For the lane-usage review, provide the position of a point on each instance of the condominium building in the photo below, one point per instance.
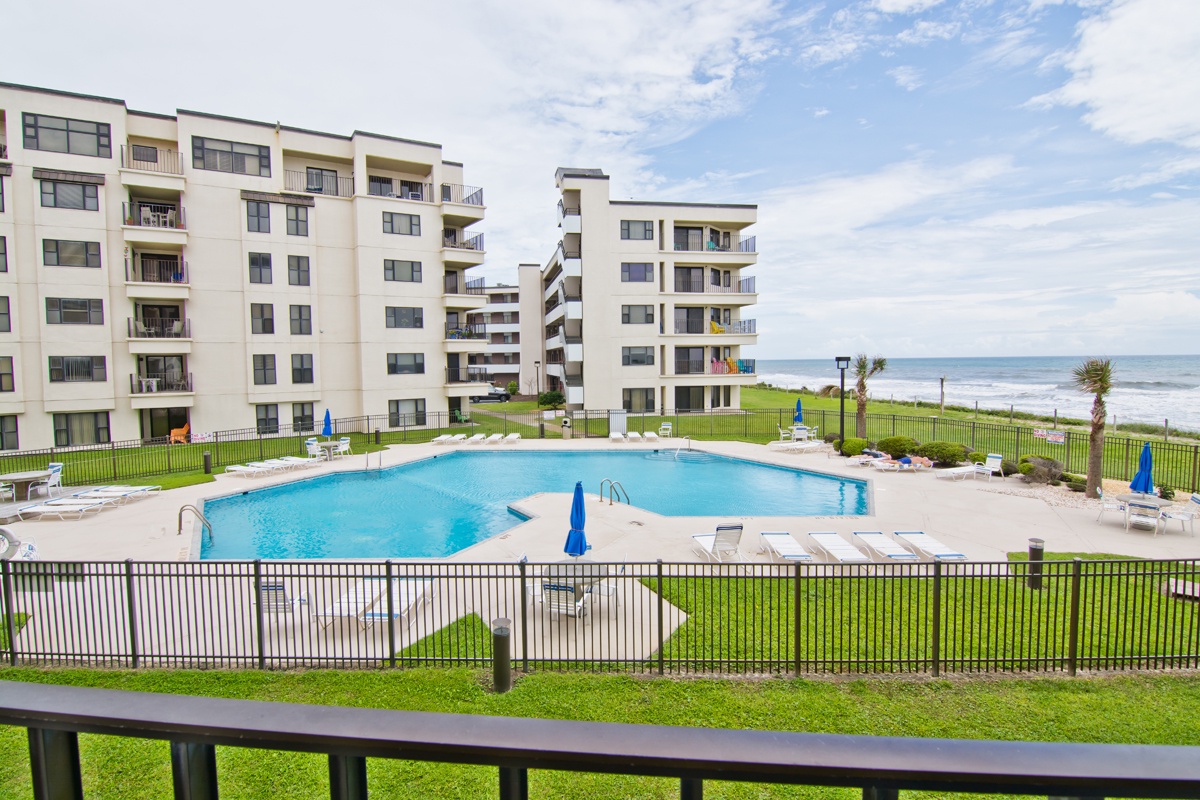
(499, 325)
(643, 305)
(159, 271)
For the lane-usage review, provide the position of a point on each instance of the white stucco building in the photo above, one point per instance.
(157, 271)
(643, 305)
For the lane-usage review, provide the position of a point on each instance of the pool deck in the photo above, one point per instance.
(970, 515)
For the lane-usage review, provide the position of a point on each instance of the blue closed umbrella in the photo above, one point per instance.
(1143, 481)
(798, 418)
(327, 429)
(576, 541)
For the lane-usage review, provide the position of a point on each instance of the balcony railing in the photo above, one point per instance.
(160, 328)
(151, 159)
(702, 286)
(468, 375)
(148, 269)
(3, 151)
(456, 242)
(153, 215)
(473, 330)
(691, 325)
(737, 326)
(689, 367)
(313, 183)
(154, 382)
(453, 283)
(463, 195)
(567, 211)
(408, 191)
(732, 366)
(714, 243)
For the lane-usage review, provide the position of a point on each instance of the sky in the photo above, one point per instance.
(933, 177)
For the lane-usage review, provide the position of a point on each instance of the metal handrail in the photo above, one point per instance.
(613, 487)
(199, 515)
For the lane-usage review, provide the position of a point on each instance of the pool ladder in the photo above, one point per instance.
(615, 489)
(203, 520)
(686, 440)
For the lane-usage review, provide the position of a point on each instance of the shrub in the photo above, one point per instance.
(1070, 477)
(1035, 469)
(830, 438)
(1166, 493)
(1077, 486)
(979, 458)
(513, 388)
(897, 446)
(552, 399)
(946, 454)
(1008, 467)
(854, 447)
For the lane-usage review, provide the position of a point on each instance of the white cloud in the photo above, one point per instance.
(906, 77)
(1135, 69)
(905, 6)
(820, 112)
(925, 31)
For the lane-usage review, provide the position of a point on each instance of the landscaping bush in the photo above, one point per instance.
(897, 446)
(1077, 486)
(978, 458)
(552, 399)
(1165, 492)
(944, 454)
(1007, 467)
(854, 447)
(830, 438)
(1035, 469)
(513, 388)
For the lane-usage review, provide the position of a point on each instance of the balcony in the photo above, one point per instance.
(455, 241)
(468, 375)
(155, 277)
(453, 283)
(459, 249)
(160, 382)
(472, 330)
(701, 286)
(736, 327)
(727, 366)
(160, 328)
(715, 242)
(401, 190)
(154, 224)
(318, 182)
(462, 195)
(151, 159)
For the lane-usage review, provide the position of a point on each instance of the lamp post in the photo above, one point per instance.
(537, 376)
(843, 362)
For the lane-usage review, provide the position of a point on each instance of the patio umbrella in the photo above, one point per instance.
(799, 416)
(1143, 481)
(576, 541)
(327, 428)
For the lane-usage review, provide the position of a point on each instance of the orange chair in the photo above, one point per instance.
(180, 435)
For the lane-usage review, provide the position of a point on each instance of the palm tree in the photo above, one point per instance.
(864, 369)
(1095, 377)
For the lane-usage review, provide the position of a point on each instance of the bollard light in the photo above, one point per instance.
(843, 362)
(1037, 552)
(501, 654)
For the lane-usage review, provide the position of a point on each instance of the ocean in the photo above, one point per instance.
(1148, 388)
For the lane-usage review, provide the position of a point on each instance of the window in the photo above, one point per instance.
(262, 318)
(715, 397)
(404, 224)
(222, 156)
(267, 417)
(72, 369)
(689, 360)
(406, 363)
(86, 428)
(302, 417)
(7, 383)
(258, 216)
(637, 315)
(59, 194)
(321, 181)
(69, 311)
(302, 368)
(260, 267)
(301, 320)
(404, 412)
(5, 316)
(407, 271)
(8, 433)
(297, 220)
(636, 229)
(3, 254)
(398, 317)
(63, 253)
(145, 154)
(380, 187)
(76, 136)
(637, 356)
(264, 370)
(297, 270)
(637, 273)
(637, 399)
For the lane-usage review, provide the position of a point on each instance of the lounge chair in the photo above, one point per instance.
(281, 464)
(249, 471)
(954, 473)
(495, 438)
(1185, 514)
(357, 601)
(265, 465)
(1143, 515)
(117, 494)
(457, 438)
(795, 447)
(866, 460)
(994, 463)
(564, 599)
(721, 546)
(886, 465)
(273, 598)
(445, 437)
(616, 437)
(1107, 504)
(180, 435)
(61, 508)
(838, 549)
(476, 439)
(665, 430)
(409, 595)
(889, 549)
(49, 484)
(634, 437)
(780, 545)
(296, 462)
(512, 438)
(650, 436)
(928, 546)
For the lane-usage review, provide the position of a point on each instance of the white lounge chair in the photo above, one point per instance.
(512, 438)
(796, 447)
(274, 598)
(282, 464)
(443, 439)
(1143, 515)
(457, 438)
(263, 465)
(248, 471)
(116, 494)
(62, 508)
(876, 542)
(409, 595)
(721, 546)
(297, 462)
(928, 546)
(954, 473)
(650, 436)
(476, 439)
(616, 437)
(838, 549)
(495, 438)
(357, 601)
(783, 546)
(865, 460)
(634, 437)
(994, 463)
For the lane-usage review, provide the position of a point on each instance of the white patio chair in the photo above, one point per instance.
(343, 448)
(721, 546)
(994, 463)
(1107, 505)
(1145, 516)
(51, 483)
(564, 599)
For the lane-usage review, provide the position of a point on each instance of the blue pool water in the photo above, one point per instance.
(438, 506)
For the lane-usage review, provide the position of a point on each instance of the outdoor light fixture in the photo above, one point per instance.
(537, 376)
(843, 362)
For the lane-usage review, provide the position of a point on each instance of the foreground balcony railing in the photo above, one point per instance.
(464, 195)
(474, 330)
(151, 159)
(153, 215)
(716, 366)
(402, 191)
(468, 375)
(151, 382)
(453, 283)
(160, 328)
(314, 183)
(456, 242)
(702, 286)
(713, 243)
(567, 211)
(147, 269)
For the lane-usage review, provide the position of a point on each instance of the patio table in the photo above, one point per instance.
(1148, 499)
(578, 572)
(329, 447)
(21, 481)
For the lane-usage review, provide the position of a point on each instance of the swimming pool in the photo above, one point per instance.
(437, 506)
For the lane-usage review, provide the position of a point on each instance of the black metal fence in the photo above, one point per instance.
(658, 618)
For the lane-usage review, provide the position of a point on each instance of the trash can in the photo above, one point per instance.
(566, 428)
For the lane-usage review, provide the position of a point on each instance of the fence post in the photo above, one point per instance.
(796, 615)
(260, 445)
(112, 449)
(935, 649)
(524, 619)
(131, 613)
(1195, 487)
(9, 626)
(660, 616)
(973, 424)
(168, 455)
(1073, 642)
(893, 424)
(259, 626)
(391, 612)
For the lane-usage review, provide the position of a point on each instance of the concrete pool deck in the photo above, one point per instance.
(972, 516)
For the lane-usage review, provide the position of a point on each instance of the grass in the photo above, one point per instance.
(1126, 710)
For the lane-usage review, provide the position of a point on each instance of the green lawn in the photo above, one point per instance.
(1152, 709)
